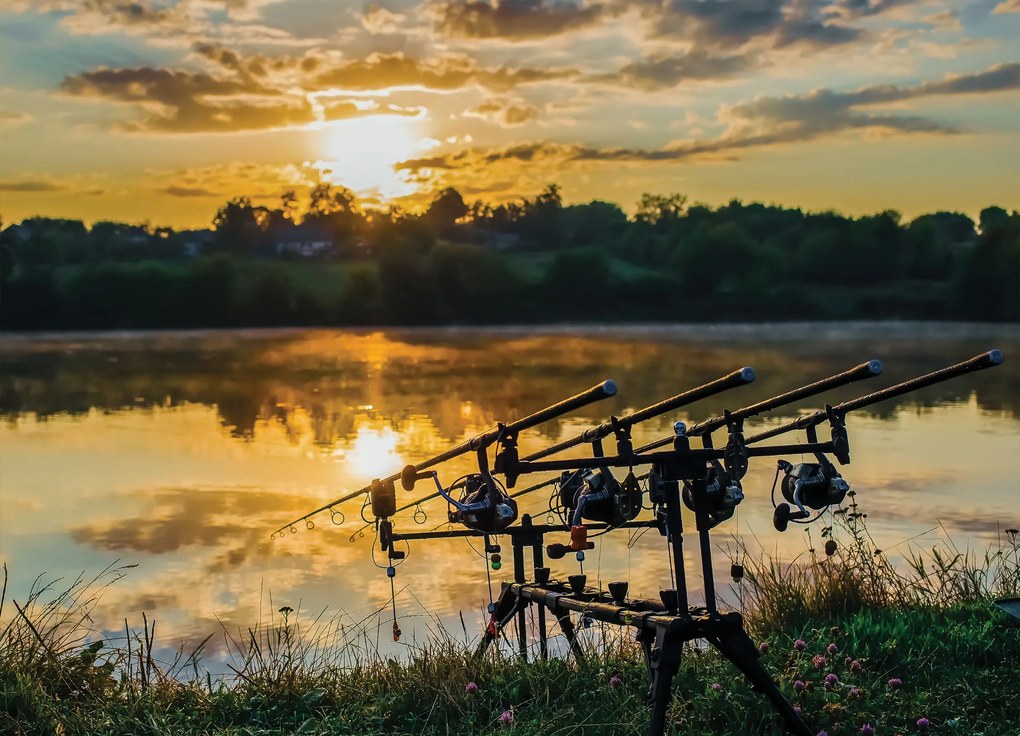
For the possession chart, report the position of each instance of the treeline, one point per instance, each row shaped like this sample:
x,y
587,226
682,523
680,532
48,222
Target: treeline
x,y
327,261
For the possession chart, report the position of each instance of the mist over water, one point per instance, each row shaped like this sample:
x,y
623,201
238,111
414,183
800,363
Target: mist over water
x,y
181,452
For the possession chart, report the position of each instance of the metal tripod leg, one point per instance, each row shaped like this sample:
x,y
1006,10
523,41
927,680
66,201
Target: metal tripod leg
x,y
567,627
507,606
663,657
733,642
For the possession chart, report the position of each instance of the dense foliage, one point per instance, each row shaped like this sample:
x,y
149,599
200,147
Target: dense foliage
x,y
328,262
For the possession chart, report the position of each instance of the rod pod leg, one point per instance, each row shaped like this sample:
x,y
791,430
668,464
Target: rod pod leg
x,y
729,637
663,658
507,607
567,627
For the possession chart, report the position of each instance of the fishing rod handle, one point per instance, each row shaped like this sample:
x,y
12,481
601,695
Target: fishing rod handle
x,y
737,378
988,359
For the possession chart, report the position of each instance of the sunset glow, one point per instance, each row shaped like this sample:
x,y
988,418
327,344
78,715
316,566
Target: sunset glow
x,y
360,154
161,111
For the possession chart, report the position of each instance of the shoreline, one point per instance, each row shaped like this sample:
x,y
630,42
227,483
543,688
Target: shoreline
x,y
792,331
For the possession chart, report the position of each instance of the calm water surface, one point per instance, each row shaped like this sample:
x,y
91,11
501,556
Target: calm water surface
x,y
182,452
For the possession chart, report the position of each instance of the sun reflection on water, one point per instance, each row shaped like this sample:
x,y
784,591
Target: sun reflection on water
x,y
372,453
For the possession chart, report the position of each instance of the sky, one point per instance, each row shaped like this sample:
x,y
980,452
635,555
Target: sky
x,y
159,111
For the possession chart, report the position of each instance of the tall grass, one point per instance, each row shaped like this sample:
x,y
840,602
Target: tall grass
x,y
852,573
929,627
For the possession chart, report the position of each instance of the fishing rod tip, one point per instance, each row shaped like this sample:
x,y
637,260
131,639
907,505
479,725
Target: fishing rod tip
x,y
995,356
747,374
609,387
875,367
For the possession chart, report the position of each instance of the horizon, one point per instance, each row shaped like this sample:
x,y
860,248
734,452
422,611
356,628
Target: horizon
x,y
159,111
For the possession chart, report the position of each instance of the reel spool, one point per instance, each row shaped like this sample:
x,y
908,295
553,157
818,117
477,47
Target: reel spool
x,y
595,495
807,485
484,507
723,493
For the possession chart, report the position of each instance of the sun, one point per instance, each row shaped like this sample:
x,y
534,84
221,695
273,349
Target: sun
x,y
360,153
373,453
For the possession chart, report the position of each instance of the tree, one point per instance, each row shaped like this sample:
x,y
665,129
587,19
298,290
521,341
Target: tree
x,y
240,226
336,208
657,209
446,208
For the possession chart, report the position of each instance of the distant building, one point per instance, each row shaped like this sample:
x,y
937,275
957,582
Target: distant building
x,y
307,240
196,242
496,240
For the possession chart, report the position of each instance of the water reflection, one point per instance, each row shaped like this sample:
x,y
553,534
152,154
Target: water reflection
x,y
182,452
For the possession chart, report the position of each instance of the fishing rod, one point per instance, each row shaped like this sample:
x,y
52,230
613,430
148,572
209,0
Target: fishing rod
x,y
619,425
622,425
868,369
819,485
479,443
988,359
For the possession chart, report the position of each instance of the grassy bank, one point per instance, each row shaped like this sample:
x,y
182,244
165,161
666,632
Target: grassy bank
x,y
860,646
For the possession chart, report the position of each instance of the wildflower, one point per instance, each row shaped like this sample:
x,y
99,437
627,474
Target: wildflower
x,y
831,679
800,645
818,661
923,723
867,729
471,688
798,686
615,681
823,733
856,667
763,647
716,687
895,683
507,718
796,709
832,649
855,692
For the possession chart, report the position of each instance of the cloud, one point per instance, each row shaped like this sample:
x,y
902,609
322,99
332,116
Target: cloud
x,y
513,20
9,117
446,73
505,113
177,191
377,19
733,24
766,121
177,101
334,109
662,72
37,186
258,181
318,71
1007,6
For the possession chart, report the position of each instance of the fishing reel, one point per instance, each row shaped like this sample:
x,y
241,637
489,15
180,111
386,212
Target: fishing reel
x,y
596,495
807,485
721,495
484,505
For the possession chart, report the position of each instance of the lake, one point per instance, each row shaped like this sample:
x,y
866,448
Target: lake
x,y
182,452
